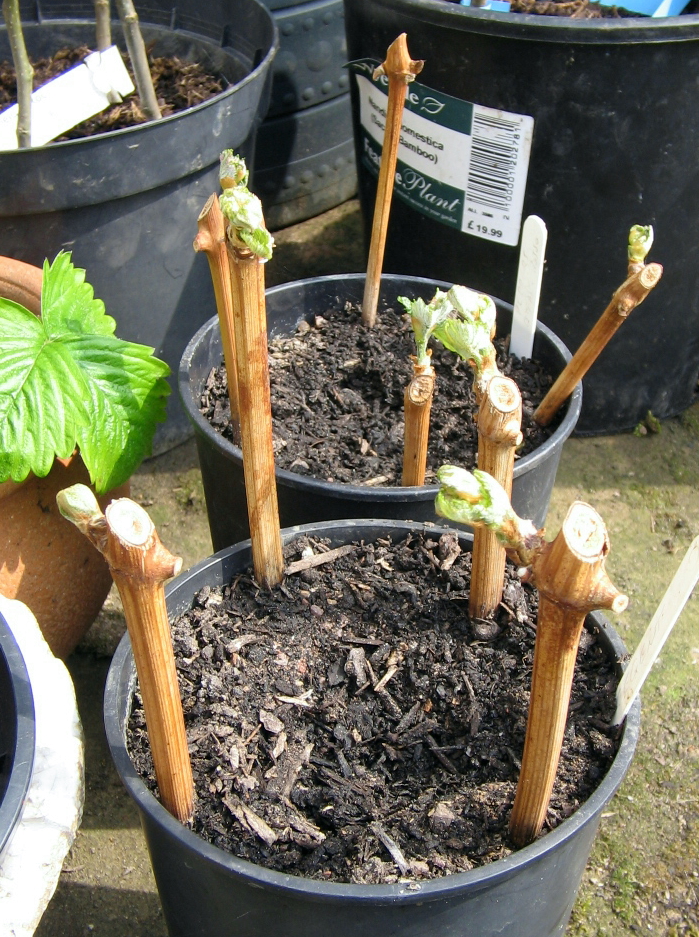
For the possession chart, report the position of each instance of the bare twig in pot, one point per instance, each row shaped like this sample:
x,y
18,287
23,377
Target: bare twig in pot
x,y
23,71
469,333
211,239
640,281
249,246
400,70
140,564
139,59
570,576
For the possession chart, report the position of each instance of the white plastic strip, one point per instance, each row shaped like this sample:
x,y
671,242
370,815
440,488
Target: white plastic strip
x,y
66,101
531,268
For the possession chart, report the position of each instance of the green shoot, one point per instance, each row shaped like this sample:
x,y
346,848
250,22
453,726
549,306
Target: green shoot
x,y
469,330
478,500
241,208
425,318
640,243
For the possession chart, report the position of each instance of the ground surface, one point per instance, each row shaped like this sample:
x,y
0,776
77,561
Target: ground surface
x,y
643,875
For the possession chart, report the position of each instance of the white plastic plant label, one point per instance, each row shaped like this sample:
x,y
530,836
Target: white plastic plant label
x,y
74,96
460,163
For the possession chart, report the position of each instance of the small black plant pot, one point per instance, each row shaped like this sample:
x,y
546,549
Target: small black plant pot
x,y
306,500
17,732
210,893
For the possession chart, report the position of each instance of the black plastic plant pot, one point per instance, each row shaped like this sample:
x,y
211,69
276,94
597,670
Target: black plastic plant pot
x,y
305,500
126,202
606,154
17,733
206,892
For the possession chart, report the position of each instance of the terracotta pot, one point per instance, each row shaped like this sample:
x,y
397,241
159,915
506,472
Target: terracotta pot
x,y
46,562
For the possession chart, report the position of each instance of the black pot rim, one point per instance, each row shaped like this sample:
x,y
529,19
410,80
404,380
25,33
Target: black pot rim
x,y
376,494
131,132
546,28
311,889
21,752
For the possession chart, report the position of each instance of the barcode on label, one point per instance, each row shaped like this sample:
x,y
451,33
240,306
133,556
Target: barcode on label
x,y
495,144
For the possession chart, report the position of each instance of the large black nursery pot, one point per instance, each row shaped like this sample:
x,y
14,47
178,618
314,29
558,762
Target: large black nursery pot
x,y
615,134
16,732
206,892
126,202
305,500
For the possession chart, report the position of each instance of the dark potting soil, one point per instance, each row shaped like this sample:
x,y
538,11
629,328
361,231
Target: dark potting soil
x,y
355,725
178,85
337,400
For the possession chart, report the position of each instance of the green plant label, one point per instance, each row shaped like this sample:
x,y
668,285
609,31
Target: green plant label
x,y
460,163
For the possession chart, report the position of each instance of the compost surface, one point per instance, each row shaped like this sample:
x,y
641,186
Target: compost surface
x,y
178,85
337,400
355,725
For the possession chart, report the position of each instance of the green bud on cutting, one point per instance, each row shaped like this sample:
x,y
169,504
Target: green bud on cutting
x,y
241,208
640,242
478,500
474,498
468,330
425,318
233,170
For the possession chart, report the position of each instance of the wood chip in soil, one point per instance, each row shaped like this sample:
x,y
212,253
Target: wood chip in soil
x,y
355,725
337,400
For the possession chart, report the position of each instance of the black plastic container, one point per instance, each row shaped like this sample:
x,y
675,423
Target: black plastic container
x,y
305,154
305,162
606,154
209,893
304,500
126,202
17,732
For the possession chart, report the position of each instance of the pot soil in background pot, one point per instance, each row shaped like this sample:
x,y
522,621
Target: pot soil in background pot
x,y
123,201
208,891
304,499
603,157
16,732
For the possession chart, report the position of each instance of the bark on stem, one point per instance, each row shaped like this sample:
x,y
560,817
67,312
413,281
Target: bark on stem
x,y
400,70
140,564
139,59
250,333
103,25
499,434
211,239
417,404
23,71
570,576
629,295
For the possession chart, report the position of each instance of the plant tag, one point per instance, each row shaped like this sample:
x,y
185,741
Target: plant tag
x,y
661,625
74,96
528,291
462,164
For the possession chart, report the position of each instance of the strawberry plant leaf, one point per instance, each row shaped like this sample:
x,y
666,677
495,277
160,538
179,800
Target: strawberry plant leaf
x,y
67,380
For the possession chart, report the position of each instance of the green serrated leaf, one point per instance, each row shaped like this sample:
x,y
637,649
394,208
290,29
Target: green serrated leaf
x,y
68,303
66,380
127,393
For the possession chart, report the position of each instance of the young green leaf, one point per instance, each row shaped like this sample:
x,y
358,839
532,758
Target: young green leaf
x,y
477,499
67,380
425,318
241,208
468,331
